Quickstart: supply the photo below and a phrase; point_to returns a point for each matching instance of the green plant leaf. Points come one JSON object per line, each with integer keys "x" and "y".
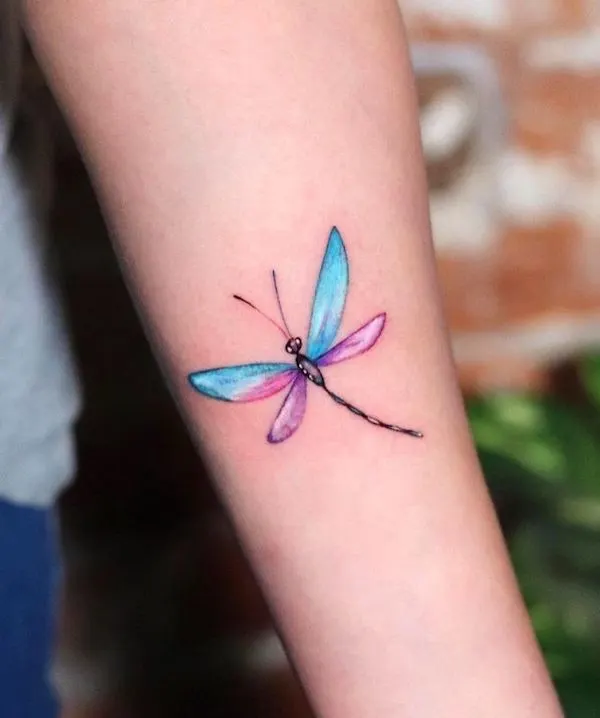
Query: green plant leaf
{"x": 546, "y": 438}
{"x": 541, "y": 458}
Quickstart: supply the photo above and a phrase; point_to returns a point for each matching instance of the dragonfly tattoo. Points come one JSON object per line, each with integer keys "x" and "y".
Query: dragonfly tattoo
{"x": 251, "y": 382}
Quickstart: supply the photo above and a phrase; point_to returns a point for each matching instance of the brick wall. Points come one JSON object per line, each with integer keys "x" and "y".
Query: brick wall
{"x": 510, "y": 94}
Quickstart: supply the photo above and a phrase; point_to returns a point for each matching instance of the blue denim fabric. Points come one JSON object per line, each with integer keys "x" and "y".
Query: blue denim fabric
{"x": 28, "y": 572}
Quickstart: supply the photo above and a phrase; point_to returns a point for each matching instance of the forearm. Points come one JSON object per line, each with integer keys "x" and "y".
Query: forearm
{"x": 227, "y": 139}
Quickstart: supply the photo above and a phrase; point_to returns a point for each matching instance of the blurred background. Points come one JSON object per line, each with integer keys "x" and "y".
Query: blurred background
{"x": 160, "y": 615}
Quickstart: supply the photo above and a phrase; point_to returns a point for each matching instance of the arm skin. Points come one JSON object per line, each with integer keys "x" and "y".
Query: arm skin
{"x": 226, "y": 138}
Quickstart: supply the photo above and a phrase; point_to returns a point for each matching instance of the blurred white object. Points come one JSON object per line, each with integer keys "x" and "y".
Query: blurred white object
{"x": 466, "y": 112}
{"x": 448, "y": 121}
{"x": 485, "y": 13}
{"x": 576, "y": 52}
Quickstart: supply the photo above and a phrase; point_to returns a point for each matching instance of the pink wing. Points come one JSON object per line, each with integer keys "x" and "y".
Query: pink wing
{"x": 356, "y": 343}
{"x": 291, "y": 412}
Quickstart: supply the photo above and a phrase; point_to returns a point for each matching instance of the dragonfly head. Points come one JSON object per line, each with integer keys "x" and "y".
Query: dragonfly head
{"x": 293, "y": 345}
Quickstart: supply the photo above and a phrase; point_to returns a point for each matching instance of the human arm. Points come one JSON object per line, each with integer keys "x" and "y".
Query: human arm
{"x": 226, "y": 139}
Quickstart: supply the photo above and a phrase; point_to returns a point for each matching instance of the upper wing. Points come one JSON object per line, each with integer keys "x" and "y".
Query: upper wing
{"x": 330, "y": 297}
{"x": 291, "y": 413}
{"x": 356, "y": 343}
{"x": 244, "y": 382}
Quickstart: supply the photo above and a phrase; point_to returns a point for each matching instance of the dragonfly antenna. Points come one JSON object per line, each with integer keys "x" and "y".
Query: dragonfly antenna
{"x": 279, "y": 304}
{"x": 245, "y": 301}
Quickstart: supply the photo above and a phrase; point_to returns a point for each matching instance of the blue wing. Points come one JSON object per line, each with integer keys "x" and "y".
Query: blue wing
{"x": 244, "y": 382}
{"x": 330, "y": 297}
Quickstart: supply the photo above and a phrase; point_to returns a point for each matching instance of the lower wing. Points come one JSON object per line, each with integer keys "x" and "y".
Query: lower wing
{"x": 244, "y": 382}
{"x": 356, "y": 343}
{"x": 291, "y": 413}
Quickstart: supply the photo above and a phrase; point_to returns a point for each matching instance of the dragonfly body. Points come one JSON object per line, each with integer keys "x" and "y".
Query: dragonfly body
{"x": 249, "y": 382}
{"x": 310, "y": 370}
{"x": 306, "y": 366}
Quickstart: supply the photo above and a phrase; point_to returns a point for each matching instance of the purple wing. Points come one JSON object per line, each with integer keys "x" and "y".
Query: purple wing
{"x": 291, "y": 413}
{"x": 356, "y": 343}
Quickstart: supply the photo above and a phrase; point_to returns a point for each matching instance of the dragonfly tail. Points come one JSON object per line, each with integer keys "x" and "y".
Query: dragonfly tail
{"x": 373, "y": 419}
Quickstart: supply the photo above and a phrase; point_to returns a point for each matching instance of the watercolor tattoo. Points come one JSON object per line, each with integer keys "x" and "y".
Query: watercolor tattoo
{"x": 250, "y": 382}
